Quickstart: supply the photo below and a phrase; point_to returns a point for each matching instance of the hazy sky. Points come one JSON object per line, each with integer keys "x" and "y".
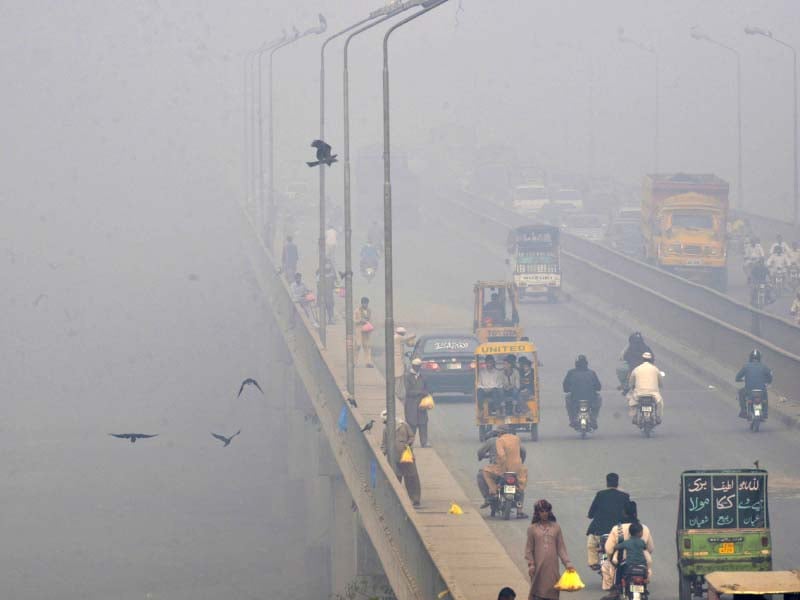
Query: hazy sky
{"x": 153, "y": 89}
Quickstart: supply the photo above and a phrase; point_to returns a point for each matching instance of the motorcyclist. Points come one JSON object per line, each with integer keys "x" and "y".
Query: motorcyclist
{"x": 753, "y": 252}
{"x": 778, "y": 262}
{"x": 759, "y": 274}
{"x": 779, "y": 243}
{"x": 645, "y": 380}
{"x": 369, "y": 256}
{"x": 582, "y": 383}
{"x": 631, "y": 358}
{"x": 375, "y": 235}
{"x": 756, "y": 376}
{"x": 506, "y": 454}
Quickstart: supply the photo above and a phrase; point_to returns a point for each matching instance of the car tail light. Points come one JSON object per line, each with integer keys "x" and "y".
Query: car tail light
{"x": 430, "y": 365}
{"x": 764, "y": 541}
{"x": 511, "y": 480}
{"x": 687, "y": 543}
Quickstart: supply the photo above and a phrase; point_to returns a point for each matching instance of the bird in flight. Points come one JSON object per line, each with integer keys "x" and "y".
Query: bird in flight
{"x": 323, "y": 154}
{"x": 249, "y": 381}
{"x": 226, "y": 441}
{"x": 132, "y": 436}
{"x": 368, "y": 426}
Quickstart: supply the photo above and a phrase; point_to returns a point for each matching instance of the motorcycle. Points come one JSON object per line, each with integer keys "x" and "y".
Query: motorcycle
{"x": 755, "y": 409}
{"x": 583, "y": 419}
{"x": 779, "y": 282}
{"x": 634, "y": 583}
{"x": 602, "y": 556}
{"x": 368, "y": 271}
{"x": 508, "y": 496}
{"x": 646, "y": 415}
{"x": 760, "y": 295}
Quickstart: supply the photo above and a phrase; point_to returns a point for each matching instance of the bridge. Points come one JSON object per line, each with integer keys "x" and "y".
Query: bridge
{"x": 383, "y": 543}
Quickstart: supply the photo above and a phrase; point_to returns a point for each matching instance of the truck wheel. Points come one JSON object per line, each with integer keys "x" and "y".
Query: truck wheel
{"x": 684, "y": 588}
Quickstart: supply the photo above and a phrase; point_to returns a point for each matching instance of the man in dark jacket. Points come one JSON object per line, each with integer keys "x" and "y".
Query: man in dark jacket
{"x": 416, "y": 391}
{"x": 756, "y": 376}
{"x": 581, "y": 383}
{"x": 606, "y": 511}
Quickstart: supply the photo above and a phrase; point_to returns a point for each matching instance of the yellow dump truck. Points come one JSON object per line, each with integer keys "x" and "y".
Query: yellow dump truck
{"x": 684, "y": 226}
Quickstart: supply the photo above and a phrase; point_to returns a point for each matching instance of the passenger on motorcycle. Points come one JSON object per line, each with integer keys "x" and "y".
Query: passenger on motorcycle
{"x": 631, "y": 358}
{"x": 756, "y": 376}
{"x": 795, "y": 309}
{"x": 506, "y": 454}
{"x": 607, "y": 509}
{"x": 581, "y": 383}
{"x": 635, "y": 551}
{"x": 369, "y": 256}
{"x": 645, "y": 380}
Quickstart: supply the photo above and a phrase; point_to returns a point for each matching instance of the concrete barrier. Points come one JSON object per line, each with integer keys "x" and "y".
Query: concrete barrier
{"x": 381, "y": 502}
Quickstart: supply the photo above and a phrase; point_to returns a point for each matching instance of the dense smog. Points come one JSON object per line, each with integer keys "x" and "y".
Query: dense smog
{"x": 409, "y": 299}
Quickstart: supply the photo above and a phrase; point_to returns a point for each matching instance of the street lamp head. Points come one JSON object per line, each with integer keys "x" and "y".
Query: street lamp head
{"x": 757, "y": 31}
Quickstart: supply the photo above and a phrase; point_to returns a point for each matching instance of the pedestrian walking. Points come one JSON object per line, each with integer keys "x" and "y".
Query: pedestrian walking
{"x": 545, "y": 547}
{"x": 329, "y": 274}
{"x": 401, "y": 341}
{"x": 415, "y": 389}
{"x": 406, "y": 471}
{"x": 362, "y": 319}
{"x": 289, "y": 258}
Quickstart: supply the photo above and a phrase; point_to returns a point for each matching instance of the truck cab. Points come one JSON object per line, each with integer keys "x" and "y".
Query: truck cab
{"x": 496, "y": 312}
{"x": 684, "y": 226}
{"x": 534, "y": 258}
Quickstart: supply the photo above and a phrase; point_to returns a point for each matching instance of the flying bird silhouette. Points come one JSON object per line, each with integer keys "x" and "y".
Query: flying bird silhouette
{"x": 132, "y": 436}
{"x": 323, "y": 154}
{"x": 249, "y": 381}
{"x": 226, "y": 441}
{"x": 368, "y": 426}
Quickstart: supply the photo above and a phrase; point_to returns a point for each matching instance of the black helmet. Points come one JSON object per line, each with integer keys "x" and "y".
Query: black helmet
{"x": 755, "y": 355}
{"x": 581, "y": 361}
{"x": 636, "y": 336}
{"x": 364, "y": 300}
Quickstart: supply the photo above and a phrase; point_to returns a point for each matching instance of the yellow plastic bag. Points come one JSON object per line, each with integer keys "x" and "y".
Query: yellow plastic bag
{"x": 426, "y": 403}
{"x": 570, "y": 581}
{"x": 455, "y": 509}
{"x": 407, "y": 456}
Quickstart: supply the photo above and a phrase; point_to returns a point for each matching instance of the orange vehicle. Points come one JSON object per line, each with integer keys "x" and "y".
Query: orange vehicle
{"x": 496, "y": 312}
{"x": 684, "y": 226}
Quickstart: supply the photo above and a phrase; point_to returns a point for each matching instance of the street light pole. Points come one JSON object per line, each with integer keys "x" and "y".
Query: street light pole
{"x": 700, "y": 36}
{"x": 768, "y": 34}
{"x": 271, "y": 138}
{"x": 322, "y": 284}
{"x": 385, "y": 13}
{"x": 387, "y": 233}
{"x": 651, "y": 50}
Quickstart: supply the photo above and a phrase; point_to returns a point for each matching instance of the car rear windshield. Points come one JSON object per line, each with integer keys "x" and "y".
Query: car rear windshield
{"x": 449, "y": 346}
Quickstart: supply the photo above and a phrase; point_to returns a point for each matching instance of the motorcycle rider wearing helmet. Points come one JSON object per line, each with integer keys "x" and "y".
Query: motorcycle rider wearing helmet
{"x": 582, "y": 383}
{"x": 632, "y": 357}
{"x": 645, "y": 380}
{"x": 369, "y": 256}
{"x": 506, "y": 454}
{"x": 756, "y": 376}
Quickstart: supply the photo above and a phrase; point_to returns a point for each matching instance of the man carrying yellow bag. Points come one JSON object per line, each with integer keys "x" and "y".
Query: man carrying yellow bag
{"x": 416, "y": 416}
{"x": 406, "y": 467}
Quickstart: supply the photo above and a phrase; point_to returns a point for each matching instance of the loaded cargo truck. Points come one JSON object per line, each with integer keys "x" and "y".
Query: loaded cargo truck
{"x": 684, "y": 226}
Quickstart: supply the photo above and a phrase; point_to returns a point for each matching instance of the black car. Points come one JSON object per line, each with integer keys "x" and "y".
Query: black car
{"x": 448, "y": 362}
